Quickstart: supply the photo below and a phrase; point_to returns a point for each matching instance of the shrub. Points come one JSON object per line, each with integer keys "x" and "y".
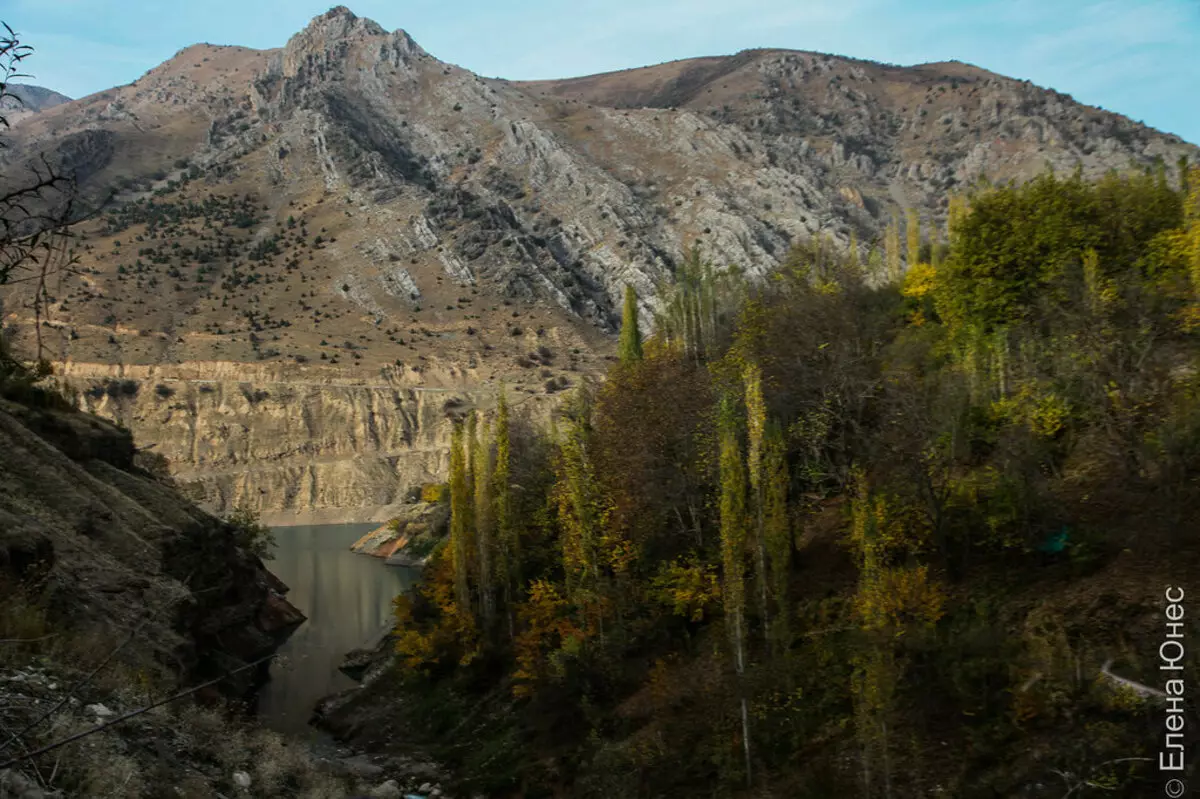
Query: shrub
{"x": 435, "y": 492}
{"x": 250, "y": 534}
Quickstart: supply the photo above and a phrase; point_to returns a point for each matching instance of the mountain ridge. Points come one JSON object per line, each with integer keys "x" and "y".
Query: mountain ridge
{"x": 23, "y": 100}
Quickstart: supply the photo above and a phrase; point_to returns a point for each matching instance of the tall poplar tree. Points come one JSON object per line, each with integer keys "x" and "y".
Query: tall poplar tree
{"x": 733, "y": 547}
{"x": 484, "y": 530}
{"x": 460, "y": 521}
{"x": 756, "y": 422}
{"x": 875, "y": 264}
{"x": 912, "y": 230}
{"x": 509, "y": 561}
{"x": 777, "y": 528}
{"x": 874, "y": 677}
{"x": 955, "y": 214}
{"x": 696, "y": 307}
{"x": 580, "y": 509}
{"x": 891, "y": 246}
{"x": 629, "y": 349}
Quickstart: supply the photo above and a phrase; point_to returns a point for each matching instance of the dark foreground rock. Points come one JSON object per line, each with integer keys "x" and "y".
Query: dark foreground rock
{"x": 102, "y": 548}
{"x": 116, "y": 593}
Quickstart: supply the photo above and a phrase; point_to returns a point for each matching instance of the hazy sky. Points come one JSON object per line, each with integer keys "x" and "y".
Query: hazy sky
{"x": 1137, "y": 57}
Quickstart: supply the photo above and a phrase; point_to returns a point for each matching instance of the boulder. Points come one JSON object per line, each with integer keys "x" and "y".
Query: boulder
{"x": 387, "y": 790}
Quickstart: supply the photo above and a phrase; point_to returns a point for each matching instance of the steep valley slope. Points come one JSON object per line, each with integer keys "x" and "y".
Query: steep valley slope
{"x": 123, "y": 604}
{"x": 301, "y": 259}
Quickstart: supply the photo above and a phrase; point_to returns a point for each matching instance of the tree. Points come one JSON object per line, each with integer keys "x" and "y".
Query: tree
{"x": 1020, "y": 248}
{"x": 460, "y": 521}
{"x": 509, "y": 563}
{"x": 891, "y": 247}
{"x": 756, "y": 424}
{"x": 733, "y": 548}
{"x": 630, "y": 347}
{"x": 250, "y": 533}
{"x": 35, "y": 212}
{"x": 484, "y": 530}
{"x": 777, "y": 528}
{"x": 581, "y": 511}
{"x": 649, "y": 455}
{"x": 698, "y": 308}
{"x": 912, "y": 230}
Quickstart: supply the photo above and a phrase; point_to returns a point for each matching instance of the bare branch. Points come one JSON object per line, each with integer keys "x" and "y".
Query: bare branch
{"x": 131, "y": 714}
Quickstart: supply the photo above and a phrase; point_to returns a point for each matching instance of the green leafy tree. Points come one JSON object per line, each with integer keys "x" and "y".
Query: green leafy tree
{"x": 733, "y": 554}
{"x": 482, "y": 472}
{"x": 777, "y": 529}
{"x": 250, "y": 533}
{"x": 891, "y": 248}
{"x": 581, "y": 513}
{"x": 1020, "y": 248}
{"x": 912, "y": 230}
{"x": 629, "y": 349}
{"x": 509, "y": 562}
{"x": 461, "y": 508}
{"x": 756, "y": 424}
{"x": 698, "y": 309}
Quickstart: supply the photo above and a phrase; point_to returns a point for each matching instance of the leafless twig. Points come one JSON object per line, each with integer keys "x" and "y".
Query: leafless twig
{"x": 71, "y": 692}
{"x": 131, "y": 714}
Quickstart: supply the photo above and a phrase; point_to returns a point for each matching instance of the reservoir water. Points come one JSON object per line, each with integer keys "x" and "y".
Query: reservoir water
{"x": 347, "y": 598}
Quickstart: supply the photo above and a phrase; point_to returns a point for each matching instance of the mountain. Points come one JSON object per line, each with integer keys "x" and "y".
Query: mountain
{"x": 310, "y": 239}
{"x": 25, "y": 100}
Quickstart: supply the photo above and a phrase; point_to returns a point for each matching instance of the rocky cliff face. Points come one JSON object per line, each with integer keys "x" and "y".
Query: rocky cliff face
{"x": 351, "y": 201}
{"x": 324, "y": 449}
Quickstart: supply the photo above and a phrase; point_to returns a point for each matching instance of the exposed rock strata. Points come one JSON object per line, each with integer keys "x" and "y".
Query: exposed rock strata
{"x": 290, "y": 449}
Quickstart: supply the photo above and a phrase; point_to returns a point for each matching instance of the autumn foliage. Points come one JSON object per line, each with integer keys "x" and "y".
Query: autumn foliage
{"x": 787, "y": 547}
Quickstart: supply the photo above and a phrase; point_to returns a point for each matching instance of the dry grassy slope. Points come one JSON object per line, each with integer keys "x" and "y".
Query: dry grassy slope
{"x": 355, "y": 208}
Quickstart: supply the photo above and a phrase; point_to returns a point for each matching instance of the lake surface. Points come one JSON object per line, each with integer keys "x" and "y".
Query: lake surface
{"x": 347, "y": 598}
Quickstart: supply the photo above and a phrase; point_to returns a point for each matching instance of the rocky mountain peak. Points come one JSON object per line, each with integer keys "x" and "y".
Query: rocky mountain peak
{"x": 341, "y": 22}
{"x": 330, "y": 38}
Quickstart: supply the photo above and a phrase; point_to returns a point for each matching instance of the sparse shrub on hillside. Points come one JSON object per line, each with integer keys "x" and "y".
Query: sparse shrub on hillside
{"x": 154, "y": 464}
{"x": 251, "y": 535}
{"x": 435, "y": 492}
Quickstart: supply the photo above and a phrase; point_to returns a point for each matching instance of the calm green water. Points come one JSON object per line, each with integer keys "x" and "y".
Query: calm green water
{"x": 347, "y": 598}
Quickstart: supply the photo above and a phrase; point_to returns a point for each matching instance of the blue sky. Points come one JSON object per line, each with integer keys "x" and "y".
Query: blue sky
{"x": 1136, "y": 57}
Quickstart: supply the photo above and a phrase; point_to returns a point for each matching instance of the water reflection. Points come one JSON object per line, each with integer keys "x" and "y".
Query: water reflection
{"x": 347, "y": 598}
